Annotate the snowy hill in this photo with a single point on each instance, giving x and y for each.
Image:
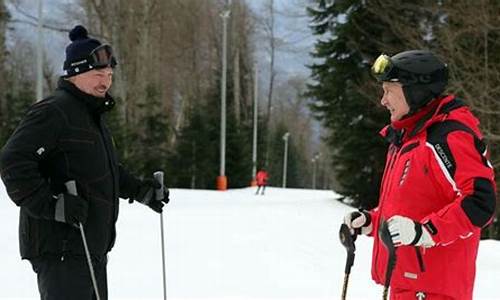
(229, 245)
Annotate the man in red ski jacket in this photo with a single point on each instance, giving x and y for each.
(438, 188)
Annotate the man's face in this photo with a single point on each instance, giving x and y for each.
(394, 100)
(95, 82)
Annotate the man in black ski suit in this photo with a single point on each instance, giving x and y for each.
(64, 137)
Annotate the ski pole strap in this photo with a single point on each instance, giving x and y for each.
(391, 262)
(420, 259)
(418, 233)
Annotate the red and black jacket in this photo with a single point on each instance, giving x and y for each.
(437, 172)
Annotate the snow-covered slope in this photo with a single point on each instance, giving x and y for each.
(229, 245)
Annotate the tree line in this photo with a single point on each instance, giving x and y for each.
(167, 87)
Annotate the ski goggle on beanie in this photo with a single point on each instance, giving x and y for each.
(100, 57)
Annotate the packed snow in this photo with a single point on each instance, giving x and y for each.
(230, 245)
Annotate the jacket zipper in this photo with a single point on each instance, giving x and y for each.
(387, 184)
(108, 153)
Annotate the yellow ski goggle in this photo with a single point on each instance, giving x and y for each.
(382, 67)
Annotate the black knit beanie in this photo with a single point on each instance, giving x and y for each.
(78, 51)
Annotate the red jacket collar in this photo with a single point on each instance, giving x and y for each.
(428, 114)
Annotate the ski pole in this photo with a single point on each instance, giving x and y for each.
(347, 239)
(71, 187)
(159, 196)
(385, 237)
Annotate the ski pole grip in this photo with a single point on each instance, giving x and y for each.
(158, 175)
(71, 187)
(346, 238)
(385, 237)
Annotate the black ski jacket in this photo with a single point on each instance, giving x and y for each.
(61, 138)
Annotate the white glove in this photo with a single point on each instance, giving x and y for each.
(360, 220)
(405, 231)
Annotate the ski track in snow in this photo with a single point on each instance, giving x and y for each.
(229, 245)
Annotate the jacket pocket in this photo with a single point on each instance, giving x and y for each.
(78, 141)
(409, 147)
(85, 157)
(409, 265)
(76, 146)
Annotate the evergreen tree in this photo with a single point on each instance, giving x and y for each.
(351, 34)
(297, 174)
(194, 161)
(153, 143)
(4, 17)
(143, 148)
(18, 104)
(238, 153)
(347, 42)
(261, 144)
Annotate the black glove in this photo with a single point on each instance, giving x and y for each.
(71, 209)
(146, 194)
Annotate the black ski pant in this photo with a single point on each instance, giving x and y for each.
(69, 278)
(263, 189)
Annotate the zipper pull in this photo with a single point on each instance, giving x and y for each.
(64, 246)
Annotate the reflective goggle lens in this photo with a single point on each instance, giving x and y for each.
(102, 56)
(381, 67)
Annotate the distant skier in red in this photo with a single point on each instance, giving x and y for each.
(261, 178)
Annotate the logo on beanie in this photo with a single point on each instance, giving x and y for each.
(79, 63)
